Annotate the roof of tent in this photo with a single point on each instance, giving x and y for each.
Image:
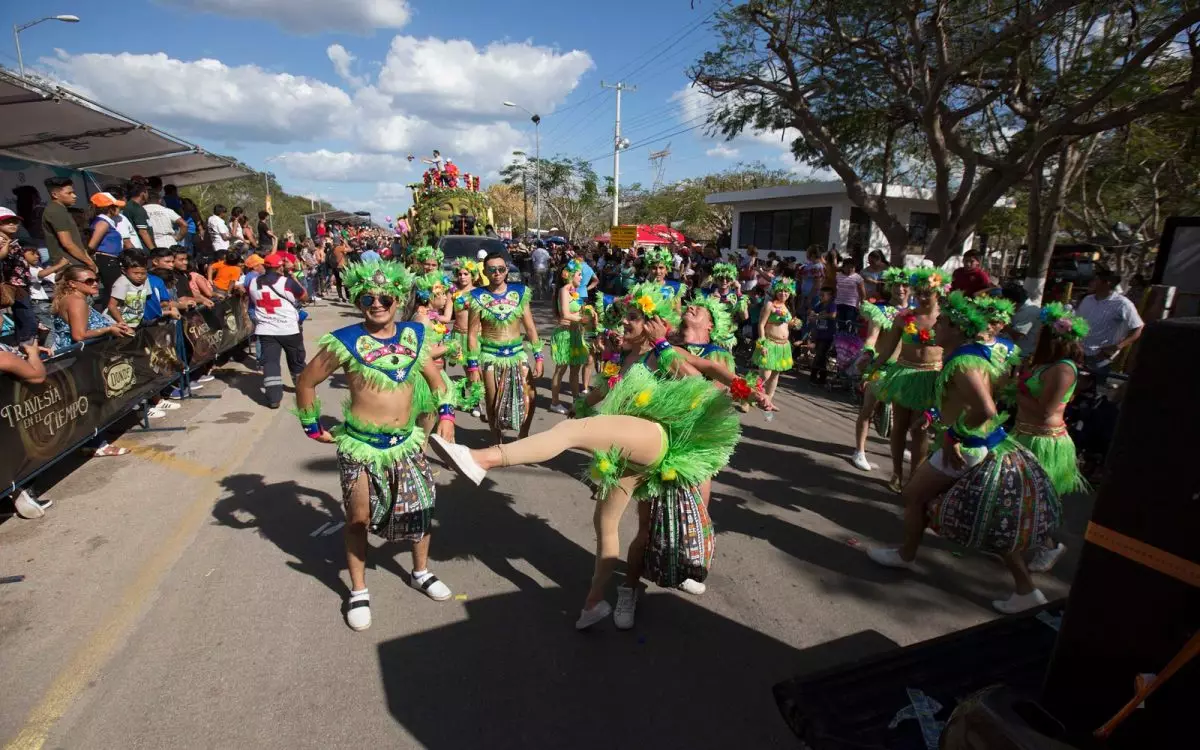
(53, 125)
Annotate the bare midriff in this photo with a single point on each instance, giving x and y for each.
(920, 356)
(387, 408)
(506, 331)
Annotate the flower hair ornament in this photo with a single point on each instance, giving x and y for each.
(429, 285)
(382, 276)
(783, 284)
(647, 299)
(573, 266)
(427, 253)
(927, 280)
(472, 267)
(972, 315)
(726, 271)
(1058, 319)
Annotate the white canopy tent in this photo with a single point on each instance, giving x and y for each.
(53, 125)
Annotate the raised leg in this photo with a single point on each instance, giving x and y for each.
(639, 439)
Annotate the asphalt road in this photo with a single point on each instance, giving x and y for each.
(190, 595)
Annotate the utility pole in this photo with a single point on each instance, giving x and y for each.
(618, 144)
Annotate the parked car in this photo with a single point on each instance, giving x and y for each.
(455, 246)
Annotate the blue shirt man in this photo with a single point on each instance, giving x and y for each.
(370, 255)
(588, 275)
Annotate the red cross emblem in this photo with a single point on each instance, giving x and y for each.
(269, 303)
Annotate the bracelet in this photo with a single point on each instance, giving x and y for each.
(445, 417)
(661, 345)
(472, 365)
(539, 356)
(312, 429)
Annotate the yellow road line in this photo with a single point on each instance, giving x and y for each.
(100, 645)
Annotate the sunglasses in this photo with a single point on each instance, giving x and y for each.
(497, 269)
(89, 281)
(368, 300)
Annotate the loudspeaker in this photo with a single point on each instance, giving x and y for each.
(1135, 601)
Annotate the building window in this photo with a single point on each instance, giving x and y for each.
(921, 227)
(791, 230)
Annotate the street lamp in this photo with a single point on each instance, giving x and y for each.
(18, 28)
(537, 165)
(524, 187)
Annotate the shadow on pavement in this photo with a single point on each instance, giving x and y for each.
(515, 674)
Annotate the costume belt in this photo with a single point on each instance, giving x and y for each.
(502, 350)
(1039, 430)
(994, 438)
(919, 365)
(378, 440)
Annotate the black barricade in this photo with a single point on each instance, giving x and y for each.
(85, 390)
(210, 332)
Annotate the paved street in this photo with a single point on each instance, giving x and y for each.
(190, 595)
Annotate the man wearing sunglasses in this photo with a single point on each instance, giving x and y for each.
(498, 314)
(387, 485)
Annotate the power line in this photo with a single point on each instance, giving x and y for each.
(643, 144)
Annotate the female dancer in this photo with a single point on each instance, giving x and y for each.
(660, 432)
(773, 351)
(658, 263)
(1042, 397)
(426, 259)
(467, 273)
(980, 488)
(879, 317)
(725, 290)
(909, 385)
(566, 345)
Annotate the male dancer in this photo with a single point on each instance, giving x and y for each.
(705, 324)
(498, 313)
(386, 482)
(724, 290)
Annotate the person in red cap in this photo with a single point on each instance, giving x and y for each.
(276, 299)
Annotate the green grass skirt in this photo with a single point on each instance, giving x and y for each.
(772, 355)
(567, 347)
(1057, 457)
(908, 387)
(459, 353)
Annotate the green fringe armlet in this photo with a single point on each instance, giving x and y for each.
(878, 316)
(567, 346)
(311, 415)
(1055, 451)
(469, 393)
(908, 387)
(700, 431)
(425, 401)
(772, 355)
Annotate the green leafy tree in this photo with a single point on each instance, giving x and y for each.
(571, 193)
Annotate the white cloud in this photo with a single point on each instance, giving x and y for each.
(721, 152)
(206, 97)
(311, 16)
(452, 76)
(342, 166)
(342, 62)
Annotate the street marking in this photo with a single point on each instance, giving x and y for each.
(334, 529)
(171, 461)
(320, 528)
(102, 643)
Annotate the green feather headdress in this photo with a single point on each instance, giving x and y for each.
(427, 253)
(893, 276)
(471, 266)
(925, 279)
(972, 315)
(647, 299)
(721, 319)
(724, 271)
(657, 256)
(573, 266)
(1058, 319)
(426, 283)
(783, 284)
(994, 309)
(382, 276)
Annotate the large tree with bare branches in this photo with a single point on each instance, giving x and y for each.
(988, 92)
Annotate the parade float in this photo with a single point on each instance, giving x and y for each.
(442, 195)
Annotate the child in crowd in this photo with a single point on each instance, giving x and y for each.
(823, 320)
(127, 302)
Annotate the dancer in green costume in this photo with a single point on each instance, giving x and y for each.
(724, 289)
(1043, 393)
(426, 259)
(499, 312)
(567, 347)
(387, 486)
(659, 431)
(467, 273)
(908, 384)
(658, 263)
(773, 350)
(981, 488)
(879, 317)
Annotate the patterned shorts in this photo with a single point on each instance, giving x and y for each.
(402, 495)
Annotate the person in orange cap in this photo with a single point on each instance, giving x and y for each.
(106, 243)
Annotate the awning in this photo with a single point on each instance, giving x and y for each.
(53, 125)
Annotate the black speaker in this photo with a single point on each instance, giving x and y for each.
(1135, 600)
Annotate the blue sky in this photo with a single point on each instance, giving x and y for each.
(336, 93)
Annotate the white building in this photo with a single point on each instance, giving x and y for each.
(788, 219)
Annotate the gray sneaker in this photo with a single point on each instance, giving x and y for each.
(626, 605)
(1045, 557)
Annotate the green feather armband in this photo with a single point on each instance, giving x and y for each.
(667, 359)
(310, 418)
(581, 408)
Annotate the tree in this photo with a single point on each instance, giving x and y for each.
(508, 205)
(570, 193)
(249, 193)
(986, 93)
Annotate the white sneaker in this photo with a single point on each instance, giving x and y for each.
(860, 461)
(205, 379)
(155, 413)
(589, 617)
(558, 409)
(1019, 602)
(358, 616)
(196, 385)
(457, 457)
(693, 587)
(475, 413)
(626, 605)
(28, 506)
(167, 405)
(432, 587)
(1045, 558)
(907, 454)
(889, 557)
